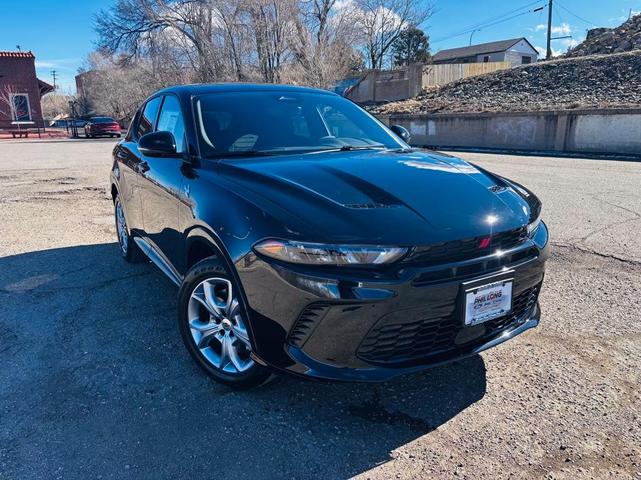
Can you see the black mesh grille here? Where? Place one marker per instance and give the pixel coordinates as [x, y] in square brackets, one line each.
[402, 342]
[475, 268]
[468, 248]
[306, 322]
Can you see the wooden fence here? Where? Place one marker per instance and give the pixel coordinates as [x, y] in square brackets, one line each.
[449, 72]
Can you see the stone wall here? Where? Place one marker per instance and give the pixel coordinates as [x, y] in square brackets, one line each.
[582, 131]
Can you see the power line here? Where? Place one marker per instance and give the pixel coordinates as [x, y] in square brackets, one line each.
[479, 25]
[575, 15]
[504, 17]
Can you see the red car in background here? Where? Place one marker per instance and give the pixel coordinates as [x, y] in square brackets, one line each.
[102, 126]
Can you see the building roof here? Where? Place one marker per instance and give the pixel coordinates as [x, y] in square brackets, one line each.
[474, 50]
[5, 54]
[44, 87]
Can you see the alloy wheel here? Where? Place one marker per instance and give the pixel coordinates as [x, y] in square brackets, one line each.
[121, 228]
[217, 327]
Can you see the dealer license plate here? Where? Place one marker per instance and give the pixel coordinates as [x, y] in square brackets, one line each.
[488, 302]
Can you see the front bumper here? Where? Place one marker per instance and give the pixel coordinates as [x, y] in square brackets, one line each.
[372, 325]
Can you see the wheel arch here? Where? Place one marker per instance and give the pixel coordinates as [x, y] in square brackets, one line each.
[201, 240]
[201, 243]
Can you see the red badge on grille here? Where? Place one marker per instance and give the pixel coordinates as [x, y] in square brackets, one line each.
[484, 243]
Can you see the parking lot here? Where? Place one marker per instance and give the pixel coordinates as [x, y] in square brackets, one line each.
[95, 382]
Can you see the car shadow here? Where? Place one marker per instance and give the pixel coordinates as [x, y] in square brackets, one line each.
[95, 379]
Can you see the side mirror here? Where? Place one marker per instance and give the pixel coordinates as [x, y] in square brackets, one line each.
[157, 144]
[401, 132]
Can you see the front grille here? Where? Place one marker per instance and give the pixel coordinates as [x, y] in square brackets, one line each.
[406, 342]
[458, 250]
[476, 268]
[306, 322]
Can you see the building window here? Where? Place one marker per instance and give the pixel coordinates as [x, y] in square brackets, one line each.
[20, 106]
[526, 60]
[486, 59]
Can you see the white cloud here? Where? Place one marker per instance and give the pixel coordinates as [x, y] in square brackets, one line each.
[539, 27]
[563, 29]
[70, 64]
[542, 52]
[568, 42]
[44, 64]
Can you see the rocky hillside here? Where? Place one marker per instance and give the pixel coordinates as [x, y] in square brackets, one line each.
[595, 81]
[624, 38]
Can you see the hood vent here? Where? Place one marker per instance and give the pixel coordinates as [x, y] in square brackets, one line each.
[368, 206]
[497, 188]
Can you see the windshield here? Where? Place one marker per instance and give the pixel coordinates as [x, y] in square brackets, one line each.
[272, 122]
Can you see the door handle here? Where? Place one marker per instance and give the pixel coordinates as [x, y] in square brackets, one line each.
[143, 167]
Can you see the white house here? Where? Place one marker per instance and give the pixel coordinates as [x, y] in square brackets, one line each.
[516, 51]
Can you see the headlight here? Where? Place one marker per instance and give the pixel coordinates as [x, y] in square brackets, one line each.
[532, 226]
[323, 254]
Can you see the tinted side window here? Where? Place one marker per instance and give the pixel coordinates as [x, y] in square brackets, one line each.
[171, 120]
[148, 116]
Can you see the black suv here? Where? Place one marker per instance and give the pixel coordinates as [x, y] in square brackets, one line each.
[307, 237]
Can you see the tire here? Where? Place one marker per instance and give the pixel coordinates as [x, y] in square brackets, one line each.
[118, 135]
[128, 247]
[211, 318]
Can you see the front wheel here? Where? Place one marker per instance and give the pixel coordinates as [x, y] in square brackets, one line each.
[213, 326]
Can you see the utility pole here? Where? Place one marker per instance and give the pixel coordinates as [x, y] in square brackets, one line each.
[54, 74]
[549, 51]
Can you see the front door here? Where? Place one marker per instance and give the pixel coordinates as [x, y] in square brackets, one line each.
[160, 184]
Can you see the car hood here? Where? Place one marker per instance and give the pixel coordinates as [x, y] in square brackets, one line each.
[382, 197]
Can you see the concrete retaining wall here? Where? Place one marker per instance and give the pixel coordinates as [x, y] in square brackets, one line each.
[577, 131]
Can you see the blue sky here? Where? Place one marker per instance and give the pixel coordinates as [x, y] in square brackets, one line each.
[60, 32]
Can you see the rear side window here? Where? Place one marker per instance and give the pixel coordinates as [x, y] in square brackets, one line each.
[148, 116]
[171, 120]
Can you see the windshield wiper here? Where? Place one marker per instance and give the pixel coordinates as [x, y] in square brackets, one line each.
[349, 148]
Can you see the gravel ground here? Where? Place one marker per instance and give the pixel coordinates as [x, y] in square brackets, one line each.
[95, 382]
[595, 81]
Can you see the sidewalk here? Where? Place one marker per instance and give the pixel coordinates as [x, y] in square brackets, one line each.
[49, 133]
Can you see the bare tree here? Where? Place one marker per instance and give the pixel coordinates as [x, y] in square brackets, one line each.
[323, 45]
[115, 88]
[138, 26]
[310, 42]
[55, 104]
[383, 21]
[7, 106]
[272, 25]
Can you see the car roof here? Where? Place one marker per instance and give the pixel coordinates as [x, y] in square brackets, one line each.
[205, 88]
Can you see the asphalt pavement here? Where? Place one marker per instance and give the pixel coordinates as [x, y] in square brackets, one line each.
[95, 382]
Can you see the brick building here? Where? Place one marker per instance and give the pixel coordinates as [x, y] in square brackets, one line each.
[20, 89]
